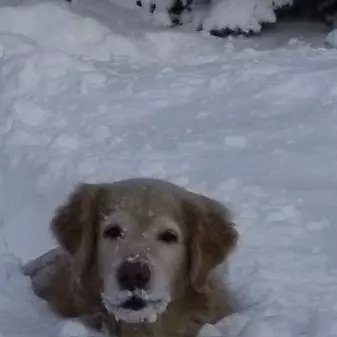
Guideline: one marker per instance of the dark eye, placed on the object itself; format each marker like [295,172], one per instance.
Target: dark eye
[139,3]
[168,236]
[113,232]
[152,8]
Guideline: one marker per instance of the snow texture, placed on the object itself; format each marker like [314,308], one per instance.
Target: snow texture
[237,15]
[92,91]
[244,15]
[331,39]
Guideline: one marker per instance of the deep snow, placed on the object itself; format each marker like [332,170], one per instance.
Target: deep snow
[92,91]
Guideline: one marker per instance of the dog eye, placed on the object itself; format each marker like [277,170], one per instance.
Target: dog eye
[139,3]
[152,8]
[113,232]
[168,236]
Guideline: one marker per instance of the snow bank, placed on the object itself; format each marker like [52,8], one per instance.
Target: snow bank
[242,15]
[19,307]
[331,39]
[48,75]
[255,129]
[66,32]
[31,317]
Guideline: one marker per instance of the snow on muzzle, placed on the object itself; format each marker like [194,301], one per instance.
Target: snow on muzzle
[137,300]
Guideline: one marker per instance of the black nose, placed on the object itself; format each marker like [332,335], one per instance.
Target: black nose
[134,275]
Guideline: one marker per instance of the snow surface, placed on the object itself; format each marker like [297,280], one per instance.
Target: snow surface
[92,91]
[331,39]
[244,15]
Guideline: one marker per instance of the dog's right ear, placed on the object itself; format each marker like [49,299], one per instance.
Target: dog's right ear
[75,225]
[213,236]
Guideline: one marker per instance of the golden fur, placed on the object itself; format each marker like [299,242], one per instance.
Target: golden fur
[209,236]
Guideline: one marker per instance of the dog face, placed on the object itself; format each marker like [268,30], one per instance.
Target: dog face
[144,242]
[141,254]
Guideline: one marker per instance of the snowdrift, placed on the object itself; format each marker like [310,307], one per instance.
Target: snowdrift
[92,92]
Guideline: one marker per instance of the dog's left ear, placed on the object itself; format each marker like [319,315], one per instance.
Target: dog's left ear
[75,226]
[212,238]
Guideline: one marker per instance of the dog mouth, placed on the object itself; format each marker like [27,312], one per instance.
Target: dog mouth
[136,308]
[135,303]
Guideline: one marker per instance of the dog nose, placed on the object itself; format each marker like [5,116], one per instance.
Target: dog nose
[134,275]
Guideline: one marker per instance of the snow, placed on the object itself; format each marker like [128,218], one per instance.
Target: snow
[93,91]
[331,39]
[244,15]
[209,331]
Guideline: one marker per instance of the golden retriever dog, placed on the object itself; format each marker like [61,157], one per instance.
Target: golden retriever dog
[138,257]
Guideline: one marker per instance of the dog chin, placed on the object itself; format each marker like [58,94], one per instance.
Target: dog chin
[137,310]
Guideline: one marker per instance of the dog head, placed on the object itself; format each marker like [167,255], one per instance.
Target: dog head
[142,243]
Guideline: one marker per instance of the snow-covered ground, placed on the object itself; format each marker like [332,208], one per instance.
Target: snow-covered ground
[93,91]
